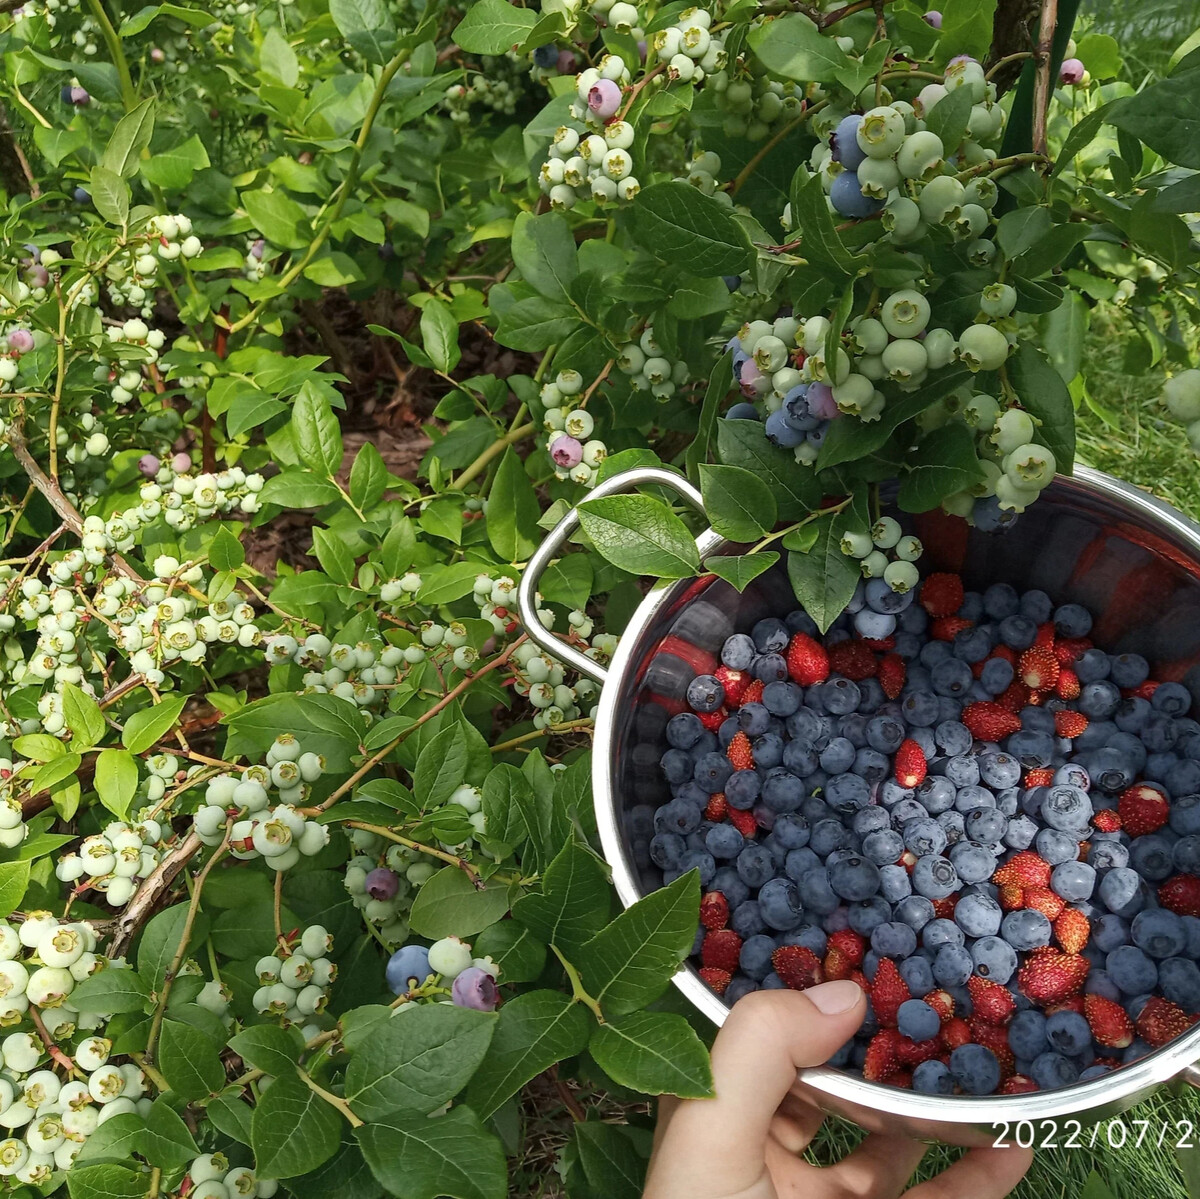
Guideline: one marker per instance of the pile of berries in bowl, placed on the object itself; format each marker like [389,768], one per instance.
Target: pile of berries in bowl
[988,822]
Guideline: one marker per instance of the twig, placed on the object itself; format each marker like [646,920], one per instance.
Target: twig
[449,858]
[585,724]
[149,893]
[494,450]
[51,1047]
[764,150]
[1041,84]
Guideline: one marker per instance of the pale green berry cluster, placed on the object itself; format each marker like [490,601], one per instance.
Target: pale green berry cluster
[294,981]
[13,829]
[496,86]
[49,10]
[131,276]
[645,363]
[1181,395]
[360,673]
[755,104]
[409,868]
[590,166]
[41,961]
[573,449]
[542,680]
[886,552]
[115,861]
[210,1176]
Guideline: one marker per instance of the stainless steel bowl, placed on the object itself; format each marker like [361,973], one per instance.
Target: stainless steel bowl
[1131,559]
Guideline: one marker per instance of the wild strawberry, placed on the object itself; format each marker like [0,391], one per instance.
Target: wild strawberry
[1070,649]
[797,966]
[1011,897]
[880,645]
[1014,697]
[1069,724]
[714,910]
[946,628]
[995,1037]
[734,681]
[991,1001]
[1050,975]
[955,1032]
[740,753]
[1068,686]
[1181,894]
[1106,821]
[881,1057]
[743,821]
[942,594]
[913,1053]
[1038,777]
[1074,1004]
[908,860]
[942,1002]
[943,909]
[988,721]
[807,661]
[721,948]
[857,976]
[1072,929]
[888,992]
[837,964]
[1017,1084]
[1026,868]
[850,943]
[909,763]
[1143,808]
[1145,691]
[1038,668]
[712,720]
[717,807]
[901,1079]
[753,693]
[1109,1022]
[892,673]
[1045,635]
[1042,899]
[716,979]
[1161,1021]
[853,659]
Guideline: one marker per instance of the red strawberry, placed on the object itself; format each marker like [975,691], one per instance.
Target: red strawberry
[1038,668]
[712,720]
[881,1057]
[1069,724]
[901,1079]
[717,807]
[988,721]
[908,860]
[946,628]
[1011,897]
[995,1037]
[1025,868]
[797,966]
[735,683]
[807,661]
[716,979]
[955,1032]
[1109,1022]
[1017,1084]
[1106,821]
[1036,698]
[1181,894]
[721,948]
[942,1002]
[991,1001]
[743,821]
[909,764]
[1048,902]
[837,964]
[1071,649]
[740,753]
[1014,697]
[1072,929]
[1067,686]
[942,594]
[1039,777]
[1161,1021]
[714,910]
[850,943]
[853,659]
[753,693]
[888,992]
[1143,809]
[913,1053]
[892,673]
[1050,975]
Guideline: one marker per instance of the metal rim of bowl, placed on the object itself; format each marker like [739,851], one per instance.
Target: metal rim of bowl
[1155,1068]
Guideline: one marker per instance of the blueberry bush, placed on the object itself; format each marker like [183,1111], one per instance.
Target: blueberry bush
[297,848]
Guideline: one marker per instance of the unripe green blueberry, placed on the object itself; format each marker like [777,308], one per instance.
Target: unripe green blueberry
[909,549]
[901,218]
[904,359]
[1013,428]
[449,957]
[1181,393]
[869,335]
[1030,466]
[997,300]
[881,132]
[885,532]
[940,200]
[874,564]
[901,576]
[877,177]
[855,544]
[921,155]
[982,348]
[1012,497]
[905,313]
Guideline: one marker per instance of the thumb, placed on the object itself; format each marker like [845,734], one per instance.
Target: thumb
[769,1036]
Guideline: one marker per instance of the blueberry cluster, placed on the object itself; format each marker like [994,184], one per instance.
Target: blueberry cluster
[988,822]
[211,1177]
[360,673]
[1181,395]
[576,454]
[379,878]
[755,105]
[645,364]
[115,861]
[294,981]
[445,969]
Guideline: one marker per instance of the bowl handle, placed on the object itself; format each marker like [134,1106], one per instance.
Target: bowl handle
[526,594]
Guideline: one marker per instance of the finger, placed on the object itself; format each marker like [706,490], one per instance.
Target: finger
[796,1123]
[879,1167]
[716,1146]
[981,1174]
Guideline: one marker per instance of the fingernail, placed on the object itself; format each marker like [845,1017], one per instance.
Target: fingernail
[835,997]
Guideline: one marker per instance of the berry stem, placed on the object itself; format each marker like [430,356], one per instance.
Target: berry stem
[577,991]
[330,1098]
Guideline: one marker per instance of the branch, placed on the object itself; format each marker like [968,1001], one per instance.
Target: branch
[1042,82]
[150,892]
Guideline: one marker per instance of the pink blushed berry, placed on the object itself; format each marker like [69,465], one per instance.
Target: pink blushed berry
[821,402]
[934,18]
[604,99]
[1072,71]
[148,464]
[80,97]
[181,463]
[475,988]
[567,64]
[382,883]
[256,249]
[748,376]
[20,341]
[566,451]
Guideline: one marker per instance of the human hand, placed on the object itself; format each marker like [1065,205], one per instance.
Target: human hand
[747,1141]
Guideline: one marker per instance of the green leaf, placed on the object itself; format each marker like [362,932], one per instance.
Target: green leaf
[739,504]
[231,1115]
[720,382]
[299,489]
[641,535]
[418,1060]
[441,766]
[167,1143]
[743,443]
[569,581]
[439,335]
[278,217]
[14,882]
[335,558]
[268,1047]
[512,812]
[513,510]
[196,17]
[655,1052]
[949,118]
[821,242]
[792,46]
[110,991]
[535,324]
[572,906]
[107,1181]
[160,942]
[115,1140]
[543,247]
[327,724]
[534,1031]
[318,435]
[1045,397]
[149,725]
[225,551]
[130,137]
[189,1061]
[1082,134]
[1101,55]
[741,570]
[449,904]
[293,1130]
[611,1164]
[678,223]
[83,717]
[944,462]
[116,780]
[110,195]
[448,583]
[1063,333]
[629,963]
[1165,116]
[493,27]
[416,1158]
[824,579]
[276,57]
[966,29]
[368,478]
[367,25]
